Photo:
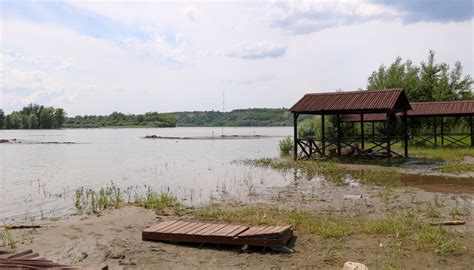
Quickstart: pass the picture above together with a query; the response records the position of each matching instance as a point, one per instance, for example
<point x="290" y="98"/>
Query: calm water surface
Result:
<point x="40" y="179"/>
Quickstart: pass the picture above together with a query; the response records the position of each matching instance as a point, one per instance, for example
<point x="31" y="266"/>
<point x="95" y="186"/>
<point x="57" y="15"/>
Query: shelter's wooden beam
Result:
<point x="338" y="133"/>
<point x="373" y="131"/>
<point x="405" y="133"/>
<point x="442" y="131"/>
<point x="470" y="124"/>
<point x="295" y="136"/>
<point x="362" y="139"/>
<point x="389" y="151"/>
<point x="435" y="132"/>
<point x="323" y="136"/>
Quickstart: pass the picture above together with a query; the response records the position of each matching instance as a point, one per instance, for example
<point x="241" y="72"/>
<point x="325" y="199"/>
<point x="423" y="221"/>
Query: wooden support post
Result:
<point x="373" y="131"/>
<point x="405" y="133"/>
<point x="362" y="139"/>
<point x="442" y="131"/>
<point x="470" y="124"/>
<point x="389" y="154"/>
<point x="295" y="136"/>
<point x="338" y="133"/>
<point x="323" y="135"/>
<point x="435" y="132"/>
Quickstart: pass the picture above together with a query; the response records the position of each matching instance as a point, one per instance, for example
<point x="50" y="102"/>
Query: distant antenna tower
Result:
<point x="223" y="109"/>
<point x="223" y="101"/>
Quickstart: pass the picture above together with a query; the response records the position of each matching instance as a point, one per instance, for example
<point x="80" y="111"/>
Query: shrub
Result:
<point x="286" y="146"/>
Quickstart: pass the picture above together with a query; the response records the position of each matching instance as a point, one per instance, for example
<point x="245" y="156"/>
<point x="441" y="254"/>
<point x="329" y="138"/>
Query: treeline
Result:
<point x="33" y="116"/>
<point x="430" y="81"/>
<point x="241" y="117"/>
<point x="117" y="119"/>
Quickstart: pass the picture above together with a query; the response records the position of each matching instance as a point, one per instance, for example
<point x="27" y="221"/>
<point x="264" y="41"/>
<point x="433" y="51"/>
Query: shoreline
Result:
<point x="220" y="137"/>
<point x="329" y="222"/>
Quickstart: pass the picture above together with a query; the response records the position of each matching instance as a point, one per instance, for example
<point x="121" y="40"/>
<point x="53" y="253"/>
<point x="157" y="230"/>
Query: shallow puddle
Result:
<point x="436" y="183"/>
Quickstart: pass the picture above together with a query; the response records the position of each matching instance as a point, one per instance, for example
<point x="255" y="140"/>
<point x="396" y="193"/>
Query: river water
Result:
<point x="40" y="179"/>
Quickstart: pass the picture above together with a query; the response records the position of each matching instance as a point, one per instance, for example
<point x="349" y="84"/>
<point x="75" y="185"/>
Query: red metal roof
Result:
<point x="442" y="108"/>
<point x="371" y="117"/>
<point x="352" y="102"/>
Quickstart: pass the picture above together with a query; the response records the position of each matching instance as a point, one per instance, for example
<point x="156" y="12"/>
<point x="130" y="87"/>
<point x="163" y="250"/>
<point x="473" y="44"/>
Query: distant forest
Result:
<point x="241" y="117"/>
<point x="247" y="117"/>
<point x="39" y="117"/>
<point x="33" y="116"/>
<point x="117" y="119"/>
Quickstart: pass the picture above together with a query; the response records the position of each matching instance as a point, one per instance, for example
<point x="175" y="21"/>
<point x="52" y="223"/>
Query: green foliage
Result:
<point x="286" y="146"/>
<point x="34" y="116"/>
<point x="117" y="119"/>
<point x="430" y="81"/>
<point x="2" y="119"/>
<point x="308" y="128"/>
<point x="243" y="117"/>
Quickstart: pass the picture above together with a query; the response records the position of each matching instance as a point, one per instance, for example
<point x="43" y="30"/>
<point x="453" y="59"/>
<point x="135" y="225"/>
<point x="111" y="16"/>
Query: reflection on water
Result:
<point x="38" y="179"/>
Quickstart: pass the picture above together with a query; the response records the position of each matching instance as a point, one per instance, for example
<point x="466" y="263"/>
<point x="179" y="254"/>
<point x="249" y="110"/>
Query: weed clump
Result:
<point x="7" y="238"/>
<point x="89" y="201"/>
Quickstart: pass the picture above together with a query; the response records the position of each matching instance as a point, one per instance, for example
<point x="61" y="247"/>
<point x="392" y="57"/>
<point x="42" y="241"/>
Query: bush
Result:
<point x="286" y="146"/>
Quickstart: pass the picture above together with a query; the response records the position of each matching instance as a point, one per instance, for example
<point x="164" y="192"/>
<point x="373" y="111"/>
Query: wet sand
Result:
<point x="114" y="238"/>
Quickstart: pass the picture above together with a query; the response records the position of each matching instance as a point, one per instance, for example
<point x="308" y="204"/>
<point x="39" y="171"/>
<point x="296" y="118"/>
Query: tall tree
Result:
<point x="2" y="119"/>
<point x="430" y="81"/>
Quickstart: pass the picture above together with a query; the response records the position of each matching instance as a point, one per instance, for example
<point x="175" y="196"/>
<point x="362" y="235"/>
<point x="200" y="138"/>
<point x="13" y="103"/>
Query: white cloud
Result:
<point x="308" y="16"/>
<point x="92" y="74"/>
<point x="257" y="50"/>
<point x="191" y="13"/>
<point x="157" y="48"/>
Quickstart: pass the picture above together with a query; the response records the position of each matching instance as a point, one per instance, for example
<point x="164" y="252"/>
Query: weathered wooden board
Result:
<point x="27" y="260"/>
<point x="198" y="232"/>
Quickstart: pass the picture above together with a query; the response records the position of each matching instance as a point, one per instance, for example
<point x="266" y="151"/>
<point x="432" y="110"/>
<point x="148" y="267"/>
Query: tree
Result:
<point x="15" y="120"/>
<point x="46" y="118"/>
<point x="59" y="117"/>
<point x="2" y="119"/>
<point x="428" y="82"/>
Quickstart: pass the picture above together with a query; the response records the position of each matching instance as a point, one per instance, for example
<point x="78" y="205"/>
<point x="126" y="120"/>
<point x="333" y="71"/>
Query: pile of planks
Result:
<point x="27" y="260"/>
<point x="198" y="232"/>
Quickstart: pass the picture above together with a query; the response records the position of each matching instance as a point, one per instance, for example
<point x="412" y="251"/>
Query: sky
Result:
<point x="96" y="57"/>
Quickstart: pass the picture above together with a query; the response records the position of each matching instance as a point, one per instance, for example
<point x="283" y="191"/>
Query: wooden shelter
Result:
<point x="439" y="111"/>
<point x="436" y="111"/>
<point x="362" y="103"/>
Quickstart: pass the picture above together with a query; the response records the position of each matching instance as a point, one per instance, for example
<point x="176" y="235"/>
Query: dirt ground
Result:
<point x="114" y="238"/>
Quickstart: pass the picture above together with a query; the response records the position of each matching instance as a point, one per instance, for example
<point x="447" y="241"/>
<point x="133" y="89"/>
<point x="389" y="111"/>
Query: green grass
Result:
<point x="158" y="201"/>
<point x="91" y="201"/>
<point x="456" y="168"/>
<point x="7" y="238"/>
<point x="94" y="202"/>
<point x="332" y="170"/>
<point x="445" y="154"/>
<point x="407" y="229"/>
